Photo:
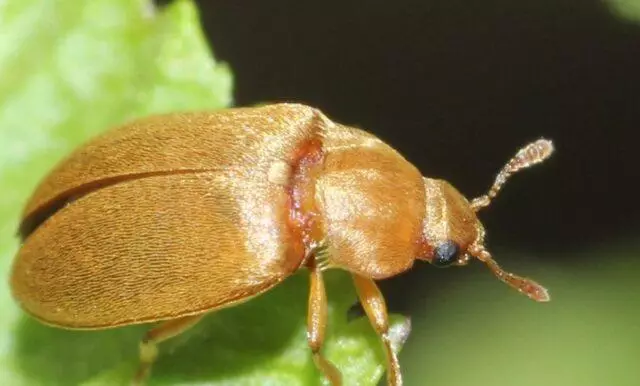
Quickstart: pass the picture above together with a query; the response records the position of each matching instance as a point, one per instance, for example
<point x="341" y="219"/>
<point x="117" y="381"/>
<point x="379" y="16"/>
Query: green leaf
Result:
<point x="627" y="9"/>
<point x="73" y="69"/>
<point x="586" y="336"/>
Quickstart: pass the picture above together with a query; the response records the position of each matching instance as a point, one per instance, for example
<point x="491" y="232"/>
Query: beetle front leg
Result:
<point x="149" y="344"/>
<point x="374" y="305"/>
<point x="317" y="323"/>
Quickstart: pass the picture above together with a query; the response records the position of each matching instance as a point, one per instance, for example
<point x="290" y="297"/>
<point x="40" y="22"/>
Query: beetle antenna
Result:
<point x="530" y="155"/>
<point x="524" y="285"/>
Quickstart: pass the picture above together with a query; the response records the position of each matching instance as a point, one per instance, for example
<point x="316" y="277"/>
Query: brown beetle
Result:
<point x="174" y="216"/>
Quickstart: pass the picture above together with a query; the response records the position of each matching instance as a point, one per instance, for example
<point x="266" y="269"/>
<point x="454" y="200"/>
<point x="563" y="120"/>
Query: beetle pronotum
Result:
<point x="171" y="217"/>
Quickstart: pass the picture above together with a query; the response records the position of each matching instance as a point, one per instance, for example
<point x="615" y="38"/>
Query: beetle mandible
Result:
<point x="237" y="201"/>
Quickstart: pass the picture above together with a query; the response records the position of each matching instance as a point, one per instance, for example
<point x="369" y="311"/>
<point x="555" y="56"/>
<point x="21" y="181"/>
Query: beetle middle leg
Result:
<point x="317" y="323"/>
<point x="376" y="309"/>
<point x="158" y="334"/>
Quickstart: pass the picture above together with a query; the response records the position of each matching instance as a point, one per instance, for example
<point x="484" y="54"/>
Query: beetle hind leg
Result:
<point x="158" y="334"/>
<point x="317" y="323"/>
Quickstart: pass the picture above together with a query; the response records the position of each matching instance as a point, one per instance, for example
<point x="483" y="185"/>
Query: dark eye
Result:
<point x="445" y="254"/>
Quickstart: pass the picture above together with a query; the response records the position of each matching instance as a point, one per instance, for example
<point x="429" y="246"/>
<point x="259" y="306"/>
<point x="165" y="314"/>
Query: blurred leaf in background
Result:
<point x="628" y="9"/>
<point x="69" y="71"/>
<point x="476" y="331"/>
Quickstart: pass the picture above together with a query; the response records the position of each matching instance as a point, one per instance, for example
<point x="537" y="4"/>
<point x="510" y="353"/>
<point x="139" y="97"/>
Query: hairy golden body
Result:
<point x="192" y="223"/>
<point x="173" y="216"/>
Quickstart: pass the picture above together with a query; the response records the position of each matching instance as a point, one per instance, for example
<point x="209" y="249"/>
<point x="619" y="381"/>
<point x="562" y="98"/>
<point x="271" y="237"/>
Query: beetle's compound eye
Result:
<point x="445" y="254"/>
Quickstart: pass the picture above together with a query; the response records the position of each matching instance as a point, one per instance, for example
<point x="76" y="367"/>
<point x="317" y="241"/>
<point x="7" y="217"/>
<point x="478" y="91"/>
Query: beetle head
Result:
<point x="452" y="233"/>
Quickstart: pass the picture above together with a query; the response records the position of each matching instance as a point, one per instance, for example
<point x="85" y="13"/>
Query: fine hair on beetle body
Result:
<point x="238" y="200"/>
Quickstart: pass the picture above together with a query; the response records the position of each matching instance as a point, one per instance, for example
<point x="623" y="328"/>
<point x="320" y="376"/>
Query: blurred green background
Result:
<point x="455" y="86"/>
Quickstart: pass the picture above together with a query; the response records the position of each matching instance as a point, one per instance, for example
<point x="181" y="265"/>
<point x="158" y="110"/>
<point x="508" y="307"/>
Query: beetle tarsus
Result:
<point x="158" y="334"/>
<point x="148" y="355"/>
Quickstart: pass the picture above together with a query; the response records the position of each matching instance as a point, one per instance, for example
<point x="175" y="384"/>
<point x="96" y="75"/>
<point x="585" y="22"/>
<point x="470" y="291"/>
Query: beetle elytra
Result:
<point x="170" y="217"/>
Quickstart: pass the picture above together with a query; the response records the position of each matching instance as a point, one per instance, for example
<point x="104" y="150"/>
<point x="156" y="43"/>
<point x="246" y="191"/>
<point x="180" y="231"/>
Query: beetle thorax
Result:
<point x="371" y="204"/>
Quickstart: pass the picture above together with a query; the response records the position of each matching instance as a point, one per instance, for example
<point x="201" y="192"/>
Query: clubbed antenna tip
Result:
<point x="524" y="285"/>
<point x="532" y="154"/>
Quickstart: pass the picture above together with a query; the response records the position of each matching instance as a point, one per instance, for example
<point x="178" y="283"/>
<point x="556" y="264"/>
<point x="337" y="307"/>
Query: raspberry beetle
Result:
<point x="170" y="217"/>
